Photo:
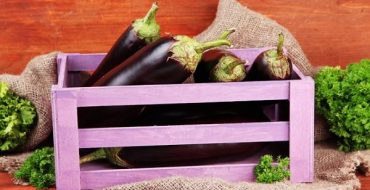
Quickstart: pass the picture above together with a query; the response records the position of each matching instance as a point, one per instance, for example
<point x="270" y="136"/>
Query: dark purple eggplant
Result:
<point x="154" y="156"/>
<point x="271" y="64"/>
<point x="169" y="60"/>
<point x="140" y="33"/>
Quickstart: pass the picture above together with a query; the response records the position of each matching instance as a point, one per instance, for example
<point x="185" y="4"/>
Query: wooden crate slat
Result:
<point x="105" y="178"/>
<point x="184" y="134"/>
<point x="301" y="131"/>
<point x="185" y="93"/>
<point x="66" y="150"/>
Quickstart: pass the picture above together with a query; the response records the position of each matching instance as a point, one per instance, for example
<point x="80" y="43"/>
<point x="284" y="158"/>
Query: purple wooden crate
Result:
<point x="68" y="138"/>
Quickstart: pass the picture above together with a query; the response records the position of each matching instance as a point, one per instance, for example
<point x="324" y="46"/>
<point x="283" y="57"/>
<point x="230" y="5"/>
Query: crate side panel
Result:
<point x="184" y="134"/>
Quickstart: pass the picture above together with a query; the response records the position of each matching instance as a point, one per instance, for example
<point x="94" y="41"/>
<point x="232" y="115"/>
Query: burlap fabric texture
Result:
<point x="34" y="84"/>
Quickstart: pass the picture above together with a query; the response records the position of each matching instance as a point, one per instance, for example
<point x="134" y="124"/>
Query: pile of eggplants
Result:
<point x="141" y="57"/>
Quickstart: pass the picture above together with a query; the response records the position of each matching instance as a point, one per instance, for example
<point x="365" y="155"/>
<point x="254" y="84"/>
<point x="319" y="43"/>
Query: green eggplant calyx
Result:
<point x="96" y="155"/>
<point x="226" y="34"/>
<point x="279" y="66"/>
<point x="189" y="52"/>
<point x="113" y="156"/>
<point x="147" y="28"/>
<point x="229" y="69"/>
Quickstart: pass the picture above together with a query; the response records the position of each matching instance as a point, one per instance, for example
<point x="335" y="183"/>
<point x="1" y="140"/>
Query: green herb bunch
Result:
<point x="343" y="98"/>
<point x="266" y="172"/>
<point x="39" y="169"/>
<point x="16" y="118"/>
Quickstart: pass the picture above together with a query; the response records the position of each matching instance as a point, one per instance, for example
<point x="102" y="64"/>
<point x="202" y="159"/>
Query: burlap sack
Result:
<point x="333" y="170"/>
<point x="34" y="84"/>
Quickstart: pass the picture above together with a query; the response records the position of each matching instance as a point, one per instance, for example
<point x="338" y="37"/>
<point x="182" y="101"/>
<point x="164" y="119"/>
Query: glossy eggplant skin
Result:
<point x="125" y="46"/>
<point x="173" y="155"/>
<point x="150" y="65"/>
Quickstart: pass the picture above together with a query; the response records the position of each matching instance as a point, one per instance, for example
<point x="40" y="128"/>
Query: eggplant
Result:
<point x="171" y="155"/>
<point x="169" y="60"/>
<point x="218" y="65"/>
<point x="140" y="33"/>
<point x="271" y="64"/>
<point x="205" y="113"/>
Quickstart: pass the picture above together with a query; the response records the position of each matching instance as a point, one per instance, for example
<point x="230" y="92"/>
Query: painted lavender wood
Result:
<point x="68" y="138"/>
<point x="66" y="142"/>
<point x="62" y="70"/>
<point x="229" y="172"/>
<point x="184" y="93"/>
<point x="184" y="134"/>
<point x="301" y="130"/>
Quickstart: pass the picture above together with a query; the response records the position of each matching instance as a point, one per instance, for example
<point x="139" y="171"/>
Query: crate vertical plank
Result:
<point x="62" y="70"/>
<point x="301" y="130"/>
<point x="66" y="141"/>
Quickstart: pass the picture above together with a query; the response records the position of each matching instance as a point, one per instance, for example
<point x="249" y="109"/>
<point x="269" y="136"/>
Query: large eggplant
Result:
<point x="169" y="60"/>
<point x="140" y="33"/>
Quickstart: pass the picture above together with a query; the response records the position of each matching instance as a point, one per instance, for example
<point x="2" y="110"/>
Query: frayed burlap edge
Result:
<point x="12" y="163"/>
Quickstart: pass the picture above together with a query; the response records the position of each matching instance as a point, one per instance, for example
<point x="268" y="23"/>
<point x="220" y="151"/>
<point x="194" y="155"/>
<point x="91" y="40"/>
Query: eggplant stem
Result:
<point x="226" y="34"/>
<point x="208" y="45"/>
<point x="96" y="155"/>
<point x="280" y="45"/>
<point x="150" y="15"/>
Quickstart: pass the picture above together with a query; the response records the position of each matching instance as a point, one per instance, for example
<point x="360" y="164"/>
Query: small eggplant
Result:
<point x="154" y="156"/>
<point x="219" y="65"/>
<point x="271" y="64"/>
<point x="140" y="33"/>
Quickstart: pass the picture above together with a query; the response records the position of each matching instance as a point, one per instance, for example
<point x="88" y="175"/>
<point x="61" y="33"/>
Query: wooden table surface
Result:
<point x="331" y="32"/>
